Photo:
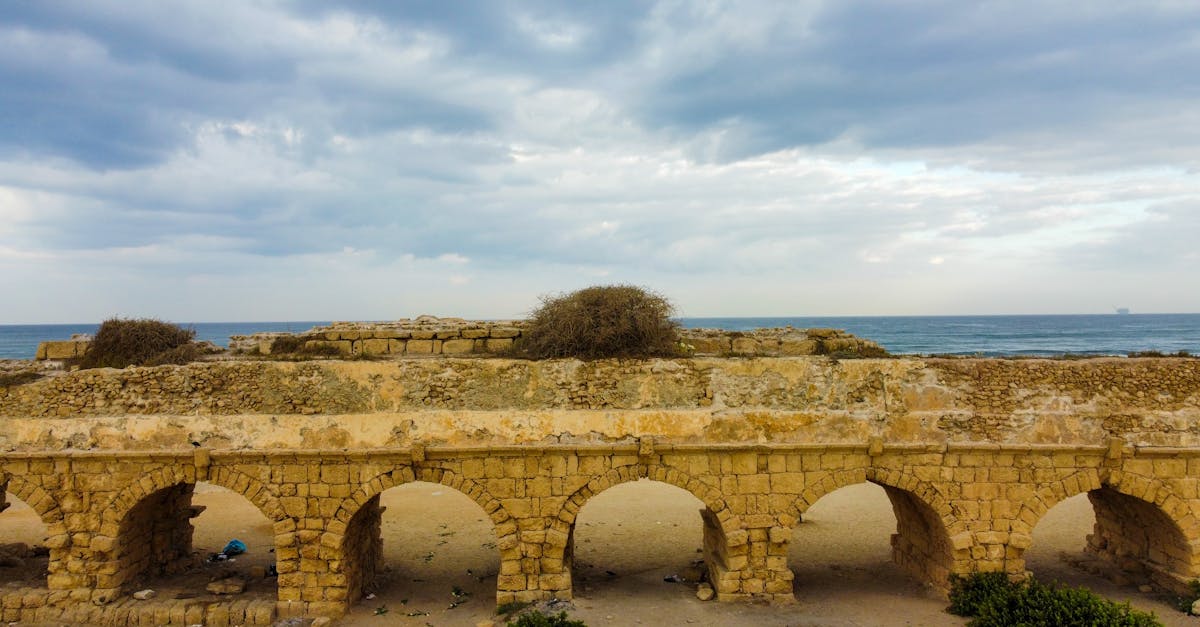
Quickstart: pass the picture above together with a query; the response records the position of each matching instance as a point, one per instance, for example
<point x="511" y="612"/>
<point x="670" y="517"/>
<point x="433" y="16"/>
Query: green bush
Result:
<point x="538" y="619"/>
<point x="136" y="342"/>
<point x="1185" y="603"/>
<point x="994" y="601"/>
<point x="969" y="594"/>
<point x="601" y="322"/>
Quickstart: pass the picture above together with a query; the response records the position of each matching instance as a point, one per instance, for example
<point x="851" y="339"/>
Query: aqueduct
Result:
<point x="971" y="453"/>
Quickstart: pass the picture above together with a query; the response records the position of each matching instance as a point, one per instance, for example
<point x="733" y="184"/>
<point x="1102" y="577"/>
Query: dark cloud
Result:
<point x="933" y="74"/>
<point x="896" y="145"/>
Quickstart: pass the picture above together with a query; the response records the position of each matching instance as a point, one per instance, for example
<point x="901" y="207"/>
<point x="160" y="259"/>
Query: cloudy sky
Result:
<point x="268" y="160"/>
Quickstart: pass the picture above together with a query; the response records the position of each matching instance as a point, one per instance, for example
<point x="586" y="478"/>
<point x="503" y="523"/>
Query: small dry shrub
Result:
<point x="297" y="348"/>
<point x="287" y="344"/>
<point x="21" y="377"/>
<point x="600" y="322"/>
<point x="121" y="342"/>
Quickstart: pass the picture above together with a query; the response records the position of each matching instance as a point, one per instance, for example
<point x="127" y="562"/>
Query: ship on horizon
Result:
<point x="1122" y="311"/>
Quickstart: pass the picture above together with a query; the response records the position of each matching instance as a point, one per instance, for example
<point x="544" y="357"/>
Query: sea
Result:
<point x="991" y="336"/>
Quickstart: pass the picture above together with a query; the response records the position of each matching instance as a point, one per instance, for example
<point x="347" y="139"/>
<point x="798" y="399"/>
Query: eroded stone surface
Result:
<point x="971" y="454"/>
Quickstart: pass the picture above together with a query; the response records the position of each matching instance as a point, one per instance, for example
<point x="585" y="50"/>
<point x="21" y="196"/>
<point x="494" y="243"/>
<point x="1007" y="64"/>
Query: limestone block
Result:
<point x="709" y="345"/>
<point x="504" y="332"/>
<point x="61" y="349"/>
<point x="375" y="347"/>
<point x="496" y="345"/>
<point x="798" y="347"/>
<point x="458" y="346"/>
<point x="745" y="345"/>
<point x="419" y="346"/>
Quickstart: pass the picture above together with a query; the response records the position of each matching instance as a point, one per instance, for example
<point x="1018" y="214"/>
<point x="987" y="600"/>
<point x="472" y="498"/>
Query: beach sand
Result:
<point x="442" y="560"/>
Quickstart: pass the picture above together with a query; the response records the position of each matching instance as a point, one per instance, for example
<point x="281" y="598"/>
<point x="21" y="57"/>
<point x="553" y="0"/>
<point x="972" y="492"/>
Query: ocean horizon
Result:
<point x="992" y="335"/>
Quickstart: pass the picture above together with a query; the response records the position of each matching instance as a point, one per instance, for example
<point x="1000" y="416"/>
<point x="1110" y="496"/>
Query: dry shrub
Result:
<point x="136" y="342"/>
<point x="21" y="377"/>
<point x="600" y="322"/>
<point x="298" y="348"/>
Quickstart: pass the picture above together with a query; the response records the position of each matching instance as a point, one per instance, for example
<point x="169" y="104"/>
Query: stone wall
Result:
<point x="1148" y="402"/>
<point x="427" y="336"/>
<point x="972" y="453"/>
<point x="960" y="508"/>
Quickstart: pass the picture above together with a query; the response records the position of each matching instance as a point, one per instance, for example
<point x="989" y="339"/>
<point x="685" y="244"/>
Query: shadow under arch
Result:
<point x="360" y="515"/>
<point x="1143" y="531"/>
<point x="146" y="527"/>
<point x="925" y="521"/>
<point x="723" y="536"/>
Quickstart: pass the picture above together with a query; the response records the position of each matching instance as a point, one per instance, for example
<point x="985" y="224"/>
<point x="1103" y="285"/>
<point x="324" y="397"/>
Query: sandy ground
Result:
<point x="442" y="560"/>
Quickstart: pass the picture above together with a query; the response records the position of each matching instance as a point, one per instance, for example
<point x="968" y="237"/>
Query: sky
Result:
<point x="316" y="160"/>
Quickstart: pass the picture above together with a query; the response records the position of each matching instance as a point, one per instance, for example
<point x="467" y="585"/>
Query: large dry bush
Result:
<point x="139" y="342"/>
<point x="602" y="321"/>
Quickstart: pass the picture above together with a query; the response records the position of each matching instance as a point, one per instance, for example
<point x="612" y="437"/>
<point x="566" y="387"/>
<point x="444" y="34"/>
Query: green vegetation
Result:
<point x="601" y="322"/>
<point x="538" y="619"/>
<point x="995" y="601"/>
<point x="1185" y="603"/>
<point x="139" y="342"/>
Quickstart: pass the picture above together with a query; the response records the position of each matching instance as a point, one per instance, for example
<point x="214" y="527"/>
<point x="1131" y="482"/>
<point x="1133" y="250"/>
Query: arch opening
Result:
<point x="174" y="541"/>
<point x="641" y="535"/>
<point x="866" y="538"/>
<point x="24" y="558"/>
<point x="1113" y="543"/>
<point x="421" y="549"/>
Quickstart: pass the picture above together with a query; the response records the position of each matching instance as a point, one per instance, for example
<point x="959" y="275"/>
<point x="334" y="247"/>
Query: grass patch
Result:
<point x="994" y="601"/>
<point x="121" y="342"/>
<point x="601" y="322"/>
<point x="1186" y="602"/>
<point x="512" y="607"/>
<point x="537" y="619"/>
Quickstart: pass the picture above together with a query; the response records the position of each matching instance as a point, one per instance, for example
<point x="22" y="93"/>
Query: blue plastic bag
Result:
<point x="235" y="547"/>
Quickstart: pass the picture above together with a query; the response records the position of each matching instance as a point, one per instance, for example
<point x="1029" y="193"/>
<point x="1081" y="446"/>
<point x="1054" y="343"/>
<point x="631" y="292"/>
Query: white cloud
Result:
<point x="818" y="158"/>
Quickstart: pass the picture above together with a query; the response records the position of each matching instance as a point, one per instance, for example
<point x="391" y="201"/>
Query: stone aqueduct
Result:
<point x="971" y="453"/>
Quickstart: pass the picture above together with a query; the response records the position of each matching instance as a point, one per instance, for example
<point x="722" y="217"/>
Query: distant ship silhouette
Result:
<point x="1122" y="311"/>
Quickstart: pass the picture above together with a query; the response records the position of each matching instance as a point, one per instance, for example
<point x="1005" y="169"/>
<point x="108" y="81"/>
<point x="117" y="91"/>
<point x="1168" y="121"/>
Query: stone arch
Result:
<point x="1050" y="494"/>
<point x="354" y="527"/>
<point x="707" y="494"/>
<point x="44" y="504"/>
<point x="166" y="476"/>
<point x="1143" y="528"/>
<point x="39" y="500"/>
<point x="146" y="527"/>
<point x="724" y="537"/>
<point x="430" y="474"/>
<point x="926" y="522"/>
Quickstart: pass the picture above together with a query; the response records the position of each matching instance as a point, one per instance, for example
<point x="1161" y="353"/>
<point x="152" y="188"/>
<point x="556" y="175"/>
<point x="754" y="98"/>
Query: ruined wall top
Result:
<point x="494" y="401"/>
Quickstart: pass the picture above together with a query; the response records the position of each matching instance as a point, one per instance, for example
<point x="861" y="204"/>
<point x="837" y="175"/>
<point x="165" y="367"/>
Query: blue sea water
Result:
<point x="959" y="335"/>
